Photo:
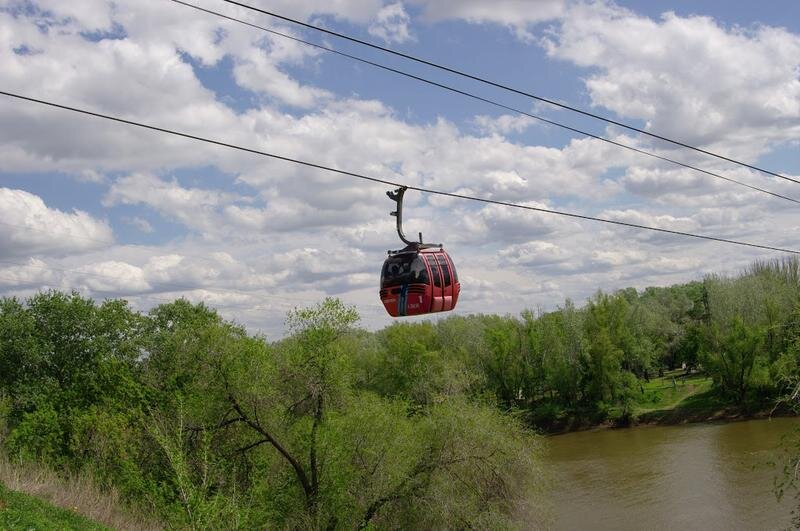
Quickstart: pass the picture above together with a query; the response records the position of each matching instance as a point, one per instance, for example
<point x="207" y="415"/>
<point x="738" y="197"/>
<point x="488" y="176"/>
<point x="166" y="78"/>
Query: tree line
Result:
<point x="419" y="425"/>
<point x="193" y="419"/>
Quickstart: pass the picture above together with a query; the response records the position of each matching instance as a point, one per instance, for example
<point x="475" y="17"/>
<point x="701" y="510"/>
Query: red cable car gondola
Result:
<point x="421" y="278"/>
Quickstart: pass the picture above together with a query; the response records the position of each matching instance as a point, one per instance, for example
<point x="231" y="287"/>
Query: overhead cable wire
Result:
<point x="487" y="100"/>
<point x="508" y="88"/>
<point x="393" y="183"/>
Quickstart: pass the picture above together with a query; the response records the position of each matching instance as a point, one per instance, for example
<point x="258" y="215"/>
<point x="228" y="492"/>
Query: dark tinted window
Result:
<point x="453" y="267"/>
<point x="445" y="271"/>
<point x="437" y="279"/>
<point x="403" y="269"/>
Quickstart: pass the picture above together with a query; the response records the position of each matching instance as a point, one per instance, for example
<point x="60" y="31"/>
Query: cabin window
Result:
<point x="445" y="270"/>
<point x="403" y="269"/>
<point x="453" y="267"/>
<point x="437" y="279"/>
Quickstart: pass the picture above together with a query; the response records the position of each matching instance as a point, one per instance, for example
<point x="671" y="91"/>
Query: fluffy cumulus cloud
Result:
<point x="503" y="125"/>
<point x="110" y="277"/>
<point x="30" y="274"/>
<point x="256" y="72"/>
<point x="517" y="15"/>
<point x="731" y="89"/>
<point x="196" y="208"/>
<point x="29" y="227"/>
<point x="391" y="24"/>
<point x="255" y="236"/>
<point x="534" y="253"/>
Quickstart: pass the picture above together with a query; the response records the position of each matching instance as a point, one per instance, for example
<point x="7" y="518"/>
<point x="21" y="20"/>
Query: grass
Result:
<point x="674" y="398"/>
<point x="677" y="398"/>
<point x="24" y="512"/>
<point x="690" y="399"/>
<point x="699" y="407"/>
<point x="35" y="497"/>
<point x="671" y="390"/>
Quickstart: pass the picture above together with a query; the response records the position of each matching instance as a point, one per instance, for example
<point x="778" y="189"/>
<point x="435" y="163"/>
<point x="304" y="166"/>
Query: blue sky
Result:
<point x="111" y="211"/>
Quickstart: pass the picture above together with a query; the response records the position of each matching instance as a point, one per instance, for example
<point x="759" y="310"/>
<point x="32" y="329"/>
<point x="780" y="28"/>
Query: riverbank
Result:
<point x="674" y="398"/>
<point x="708" y="407"/>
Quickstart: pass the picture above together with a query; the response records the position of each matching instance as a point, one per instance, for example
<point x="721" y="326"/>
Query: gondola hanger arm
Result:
<point x="397" y="197"/>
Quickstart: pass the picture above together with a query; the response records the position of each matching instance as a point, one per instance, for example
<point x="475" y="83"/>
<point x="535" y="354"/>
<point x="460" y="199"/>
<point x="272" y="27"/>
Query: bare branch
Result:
<point x="248" y="447"/>
<point x="298" y="469"/>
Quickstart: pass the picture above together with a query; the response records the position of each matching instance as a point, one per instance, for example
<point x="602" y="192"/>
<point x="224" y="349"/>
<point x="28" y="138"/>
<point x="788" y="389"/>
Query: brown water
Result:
<point x="698" y="476"/>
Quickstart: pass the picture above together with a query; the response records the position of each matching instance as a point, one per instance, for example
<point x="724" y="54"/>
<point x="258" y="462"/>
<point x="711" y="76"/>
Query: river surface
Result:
<point x="695" y="476"/>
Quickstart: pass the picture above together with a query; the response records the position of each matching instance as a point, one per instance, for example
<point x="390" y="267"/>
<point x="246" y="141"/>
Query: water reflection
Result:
<point x="700" y="476"/>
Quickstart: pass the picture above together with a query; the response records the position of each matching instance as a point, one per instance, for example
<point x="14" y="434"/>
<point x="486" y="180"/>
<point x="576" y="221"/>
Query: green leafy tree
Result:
<point x="504" y="359"/>
<point x="604" y="323"/>
<point x="65" y="356"/>
<point x="409" y="363"/>
<point x="733" y="358"/>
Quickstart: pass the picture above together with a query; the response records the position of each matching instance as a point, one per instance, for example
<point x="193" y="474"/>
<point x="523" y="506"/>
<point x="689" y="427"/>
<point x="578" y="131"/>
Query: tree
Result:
<point x="504" y="359"/>
<point x="64" y="358"/>
<point x="604" y="329"/>
<point x="732" y="358"/>
<point x="331" y="427"/>
<point x="408" y="363"/>
<point x="244" y="396"/>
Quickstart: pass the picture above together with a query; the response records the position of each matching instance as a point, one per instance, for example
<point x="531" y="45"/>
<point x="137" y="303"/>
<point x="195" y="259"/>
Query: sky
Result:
<point x="112" y="211"/>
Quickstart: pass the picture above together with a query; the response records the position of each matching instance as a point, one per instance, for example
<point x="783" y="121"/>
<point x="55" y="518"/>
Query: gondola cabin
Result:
<point x="419" y="280"/>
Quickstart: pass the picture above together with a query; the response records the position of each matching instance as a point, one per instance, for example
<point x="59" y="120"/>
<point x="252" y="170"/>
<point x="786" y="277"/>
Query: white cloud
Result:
<point x="663" y="221"/>
<point x="179" y="272"/>
<point x="196" y="208"/>
<point x="391" y="24"/>
<point x="258" y="73"/>
<point x="32" y="273"/>
<point x="90" y="176"/>
<point x="618" y="258"/>
<point x="495" y="223"/>
<point x="140" y="223"/>
<point x="517" y="15"/>
<point x="733" y="90"/>
<point x="504" y="124"/>
<point x="29" y="227"/>
<point x="658" y="182"/>
<point x="110" y="277"/>
<point x="360" y="11"/>
<point x="534" y="253"/>
<point x="90" y="14"/>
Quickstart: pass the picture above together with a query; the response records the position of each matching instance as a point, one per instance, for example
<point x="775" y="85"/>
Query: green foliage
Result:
<point x="194" y="477"/>
<point x="731" y="363"/>
<point x="38" y="436"/>
<point x="409" y="363"/>
<point x="107" y="443"/>
<point x="415" y="426"/>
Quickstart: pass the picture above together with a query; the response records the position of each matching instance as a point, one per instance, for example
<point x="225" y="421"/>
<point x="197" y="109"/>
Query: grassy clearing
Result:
<point x="689" y="399"/>
<point x="700" y="407"/>
<point x="24" y="512"/>
<point x="671" y="390"/>
<point x="35" y="497"/>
